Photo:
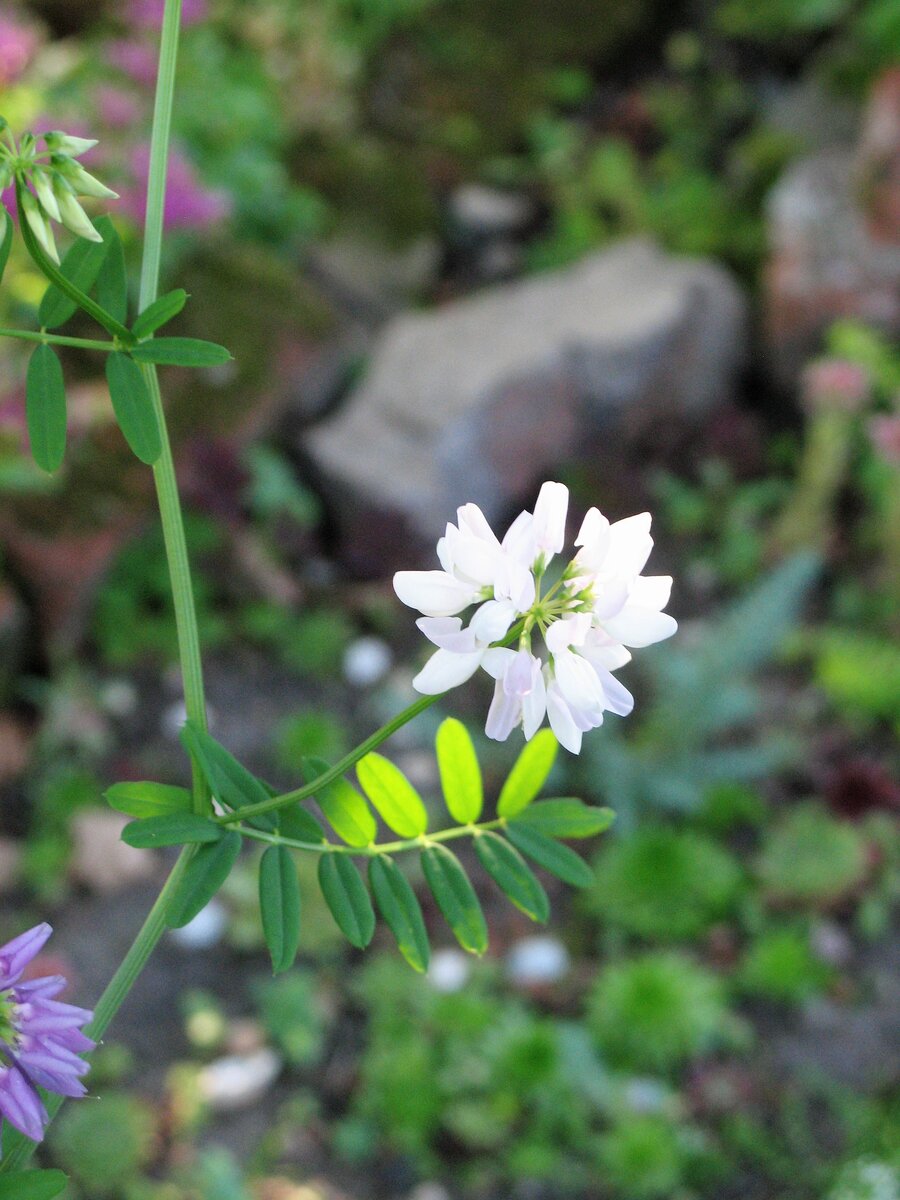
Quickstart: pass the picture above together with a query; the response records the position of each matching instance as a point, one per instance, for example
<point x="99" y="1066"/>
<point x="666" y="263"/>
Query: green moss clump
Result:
<point x="780" y="964"/>
<point x="654" y="1012"/>
<point x="664" y="885"/>
<point x="104" y="1143"/>
<point x="810" y="859"/>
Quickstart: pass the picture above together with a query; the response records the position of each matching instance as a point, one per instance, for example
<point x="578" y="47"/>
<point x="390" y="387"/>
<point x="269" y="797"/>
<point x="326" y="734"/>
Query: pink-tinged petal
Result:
<point x="534" y="705"/>
<point x="550" y="517"/>
<point x="47" y="985"/>
<point x="503" y="715"/>
<point x="618" y="698"/>
<point x="446" y="670"/>
<point x="569" y="631"/>
<point x="497" y="660"/>
<point x="638" y="627"/>
<point x="578" y="682"/>
<point x="434" y="593"/>
<point x="491" y="621"/>
<point x="603" y="652"/>
<point x="473" y="560"/>
<point x="651" y="591"/>
<point x="561" y="722"/>
<point x="472" y="520"/>
<point x="610" y="598"/>
<point x="514" y="582"/>
<point x="519" y="677"/>
<point x="630" y="544"/>
<point x="448" y="633"/>
<point x="17" y="954"/>
<point x="518" y="541"/>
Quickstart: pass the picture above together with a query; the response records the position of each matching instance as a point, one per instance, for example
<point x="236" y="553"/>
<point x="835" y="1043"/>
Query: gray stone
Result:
<point x="479" y="211"/>
<point x="482" y="398"/>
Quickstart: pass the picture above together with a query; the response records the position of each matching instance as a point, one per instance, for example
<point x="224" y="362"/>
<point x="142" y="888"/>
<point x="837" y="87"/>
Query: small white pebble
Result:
<point x="206" y="929"/>
<point x="537" y="960"/>
<point x="449" y="970"/>
<point x="367" y="661"/>
<point x="119" y="697"/>
<point x="239" y="1079"/>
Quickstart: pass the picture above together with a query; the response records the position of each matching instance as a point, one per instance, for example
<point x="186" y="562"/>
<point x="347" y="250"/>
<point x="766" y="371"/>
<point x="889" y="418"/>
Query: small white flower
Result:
<point x="600" y="605"/>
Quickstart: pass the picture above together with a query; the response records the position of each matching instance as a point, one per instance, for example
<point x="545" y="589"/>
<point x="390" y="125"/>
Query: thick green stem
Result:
<point x="56" y="339"/>
<point x="335" y="772"/>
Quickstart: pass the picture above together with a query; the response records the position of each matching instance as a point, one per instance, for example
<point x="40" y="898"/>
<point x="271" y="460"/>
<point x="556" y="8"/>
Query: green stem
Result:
<point x="375" y="848"/>
<point x="340" y="768"/>
<point x="56" y="339"/>
<point x="56" y="277"/>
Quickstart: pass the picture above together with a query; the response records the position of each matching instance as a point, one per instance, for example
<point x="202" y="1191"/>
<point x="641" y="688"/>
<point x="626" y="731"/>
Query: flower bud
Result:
<point x="44" y="190"/>
<point x="72" y="214"/>
<point x="39" y="224"/>
<point x="86" y="185"/>
<point x="65" y="143"/>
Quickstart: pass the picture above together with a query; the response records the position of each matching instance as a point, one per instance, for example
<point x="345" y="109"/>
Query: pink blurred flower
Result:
<point x="18" y="43"/>
<point x="189" y="203"/>
<point x="135" y="59"/>
<point x="884" y="430"/>
<point x="835" y="383"/>
<point x="148" y="14"/>
<point x="117" y="108"/>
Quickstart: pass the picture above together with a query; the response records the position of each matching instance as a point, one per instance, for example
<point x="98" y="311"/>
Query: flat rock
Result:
<point x="482" y="398"/>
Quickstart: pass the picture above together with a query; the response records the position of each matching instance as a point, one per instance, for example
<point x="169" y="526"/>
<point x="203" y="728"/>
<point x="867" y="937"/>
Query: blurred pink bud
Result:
<point x="148" y="14"/>
<point x="18" y="43"/>
<point x="134" y="59"/>
<point x="884" y="430"/>
<point x="189" y="203"/>
<point x="117" y="108"/>
<point x="834" y="384"/>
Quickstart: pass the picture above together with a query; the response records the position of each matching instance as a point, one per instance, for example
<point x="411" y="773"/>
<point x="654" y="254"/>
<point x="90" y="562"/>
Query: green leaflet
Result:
<point x="566" y="818"/>
<point x="81" y="265"/>
<point x="147" y="799"/>
<point x="45" y="409"/>
<point x="295" y="822"/>
<point x="203" y="876"/>
<point x="279" y="906"/>
<point x="529" y="774"/>
<point x="398" y="905"/>
<point x="229" y="781"/>
<point x="112" y="282"/>
<point x="512" y="875"/>
<point x="32" y="1185"/>
<point x="5" y="240"/>
<point x="345" y="809"/>
<point x="559" y="860"/>
<point x="456" y="898"/>
<point x="181" y="352"/>
<point x="393" y="796"/>
<point x="460" y="772"/>
<point x="347" y="898"/>
<point x="159" y="313"/>
<point x="170" y="829"/>
<point x="133" y="407"/>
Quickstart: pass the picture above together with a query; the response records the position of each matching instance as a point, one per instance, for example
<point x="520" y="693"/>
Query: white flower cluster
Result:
<point x="599" y="605"/>
<point x="57" y="180"/>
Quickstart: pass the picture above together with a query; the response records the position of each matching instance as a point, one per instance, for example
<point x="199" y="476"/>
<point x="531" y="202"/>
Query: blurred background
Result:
<point x="649" y="249"/>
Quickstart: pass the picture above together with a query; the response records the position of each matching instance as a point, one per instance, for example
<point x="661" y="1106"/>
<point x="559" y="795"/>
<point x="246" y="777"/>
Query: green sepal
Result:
<point x="460" y="773"/>
<point x="147" y="799"/>
<point x="159" y="313"/>
<point x="456" y="898"/>
<point x="80" y="265"/>
<point x="6" y="239"/>
<point x="392" y="795"/>
<point x="398" y="905"/>
<point x="279" y="906"/>
<point x="347" y="898"/>
<point x="171" y="829"/>
<point x="229" y="781"/>
<point x="512" y="875"/>
<point x="566" y="818"/>
<point x="181" y="352"/>
<point x="559" y="860"/>
<point x="345" y="809"/>
<point x="32" y="1185"/>
<point x="133" y="407"/>
<point x="529" y="774"/>
<point x="45" y="409"/>
<point x="203" y="876"/>
<point x="112" y="281"/>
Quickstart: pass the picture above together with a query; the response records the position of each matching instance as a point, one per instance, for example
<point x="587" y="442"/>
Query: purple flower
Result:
<point x="148" y="14"/>
<point x="18" y="44"/>
<point x="189" y="203"/>
<point x="40" y="1037"/>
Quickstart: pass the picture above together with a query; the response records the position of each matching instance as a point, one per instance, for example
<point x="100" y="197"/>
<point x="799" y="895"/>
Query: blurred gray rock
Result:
<point x="483" y="398"/>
